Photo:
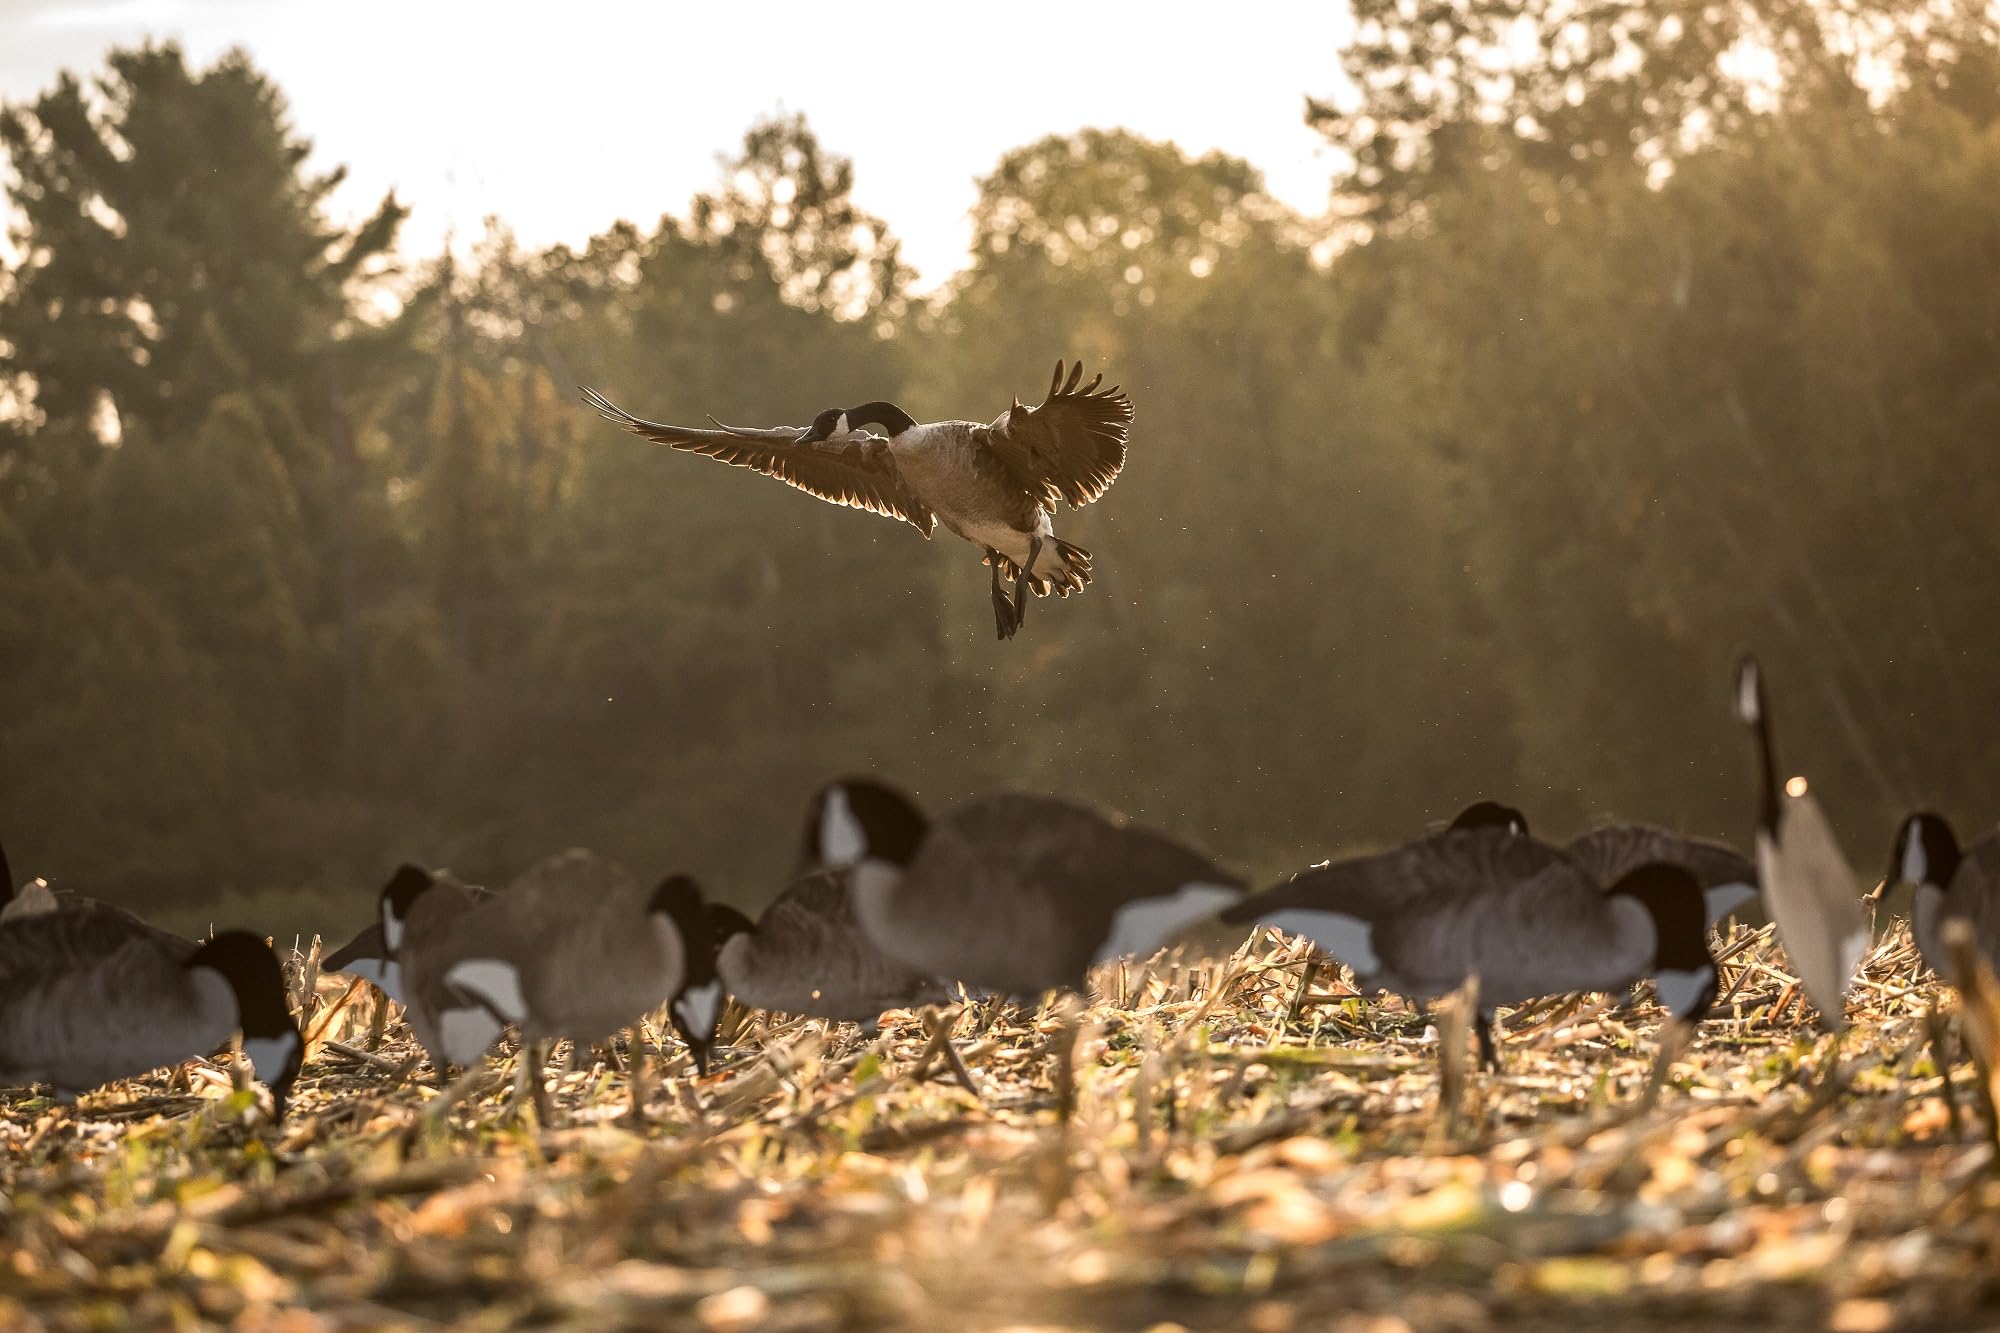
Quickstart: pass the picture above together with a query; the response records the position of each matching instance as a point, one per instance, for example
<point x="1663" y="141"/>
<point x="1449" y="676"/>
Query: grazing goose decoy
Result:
<point x="88" y="997"/>
<point x="578" y="948"/>
<point x="1728" y="879"/>
<point x="419" y="917"/>
<point x="1011" y="893"/>
<point x="996" y="485"/>
<point x="696" y="1010"/>
<point x="1951" y="881"/>
<point x="808" y="954"/>
<point x="368" y="954"/>
<point x="1806" y="880"/>
<point x="1520" y="915"/>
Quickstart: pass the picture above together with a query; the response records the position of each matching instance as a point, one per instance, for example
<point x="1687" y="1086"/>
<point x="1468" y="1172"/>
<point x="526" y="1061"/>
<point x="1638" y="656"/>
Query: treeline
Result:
<point x="1602" y="367"/>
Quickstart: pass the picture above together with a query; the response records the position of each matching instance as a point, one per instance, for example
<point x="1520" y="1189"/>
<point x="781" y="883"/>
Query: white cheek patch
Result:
<point x="392" y="928"/>
<point x="270" y="1057"/>
<point x="1346" y="938"/>
<point x="1142" y="927"/>
<point x="1916" y="866"/>
<point x="494" y="982"/>
<point x="1682" y="990"/>
<point x="382" y="973"/>
<point x="1721" y="900"/>
<point x="466" y="1033"/>
<point x="841" y="427"/>
<point x="1746" y="694"/>
<point x="842" y="840"/>
<point x="699" y="1008"/>
<point x="870" y="885"/>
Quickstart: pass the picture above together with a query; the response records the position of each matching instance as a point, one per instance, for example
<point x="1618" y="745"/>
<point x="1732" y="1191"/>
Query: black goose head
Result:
<point x="1683" y="970"/>
<point x="399" y="895"/>
<point x="1491" y="815"/>
<point x="836" y="422"/>
<point x="1925" y="852"/>
<point x="697" y="1006"/>
<point x="271" y="1039"/>
<point x="859" y="819"/>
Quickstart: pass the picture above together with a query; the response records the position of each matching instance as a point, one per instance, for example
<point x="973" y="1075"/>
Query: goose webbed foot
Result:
<point x="1489" y="1053"/>
<point x="1004" y="617"/>
<point x="1023" y="578"/>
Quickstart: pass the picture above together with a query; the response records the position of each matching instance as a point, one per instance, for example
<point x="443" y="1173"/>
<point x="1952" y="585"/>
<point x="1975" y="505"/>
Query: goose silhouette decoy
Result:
<point x="1012" y="893"/>
<point x="88" y="997"/>
<point x="576" y="947"/>
<point x="1950" y="882"/>
<point x="1485" y="900"/>
<point x="996" y="485"/>
<point x="807" y="954"/>
<point x="1728" y="878"/>
<point x="1806" y="880"/>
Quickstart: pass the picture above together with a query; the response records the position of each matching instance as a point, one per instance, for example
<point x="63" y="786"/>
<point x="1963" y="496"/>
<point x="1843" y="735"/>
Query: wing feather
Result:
<point x="1072" y="445"/>
<point x="858" y="473"/>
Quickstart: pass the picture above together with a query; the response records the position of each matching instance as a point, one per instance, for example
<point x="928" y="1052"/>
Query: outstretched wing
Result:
<point x="856" y="472"/>
<point x="1070" y="447"/>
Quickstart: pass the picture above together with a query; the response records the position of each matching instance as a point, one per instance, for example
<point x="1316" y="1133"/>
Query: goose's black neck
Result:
<point x="888" y="416"/>
<point x="1767" y="803"/>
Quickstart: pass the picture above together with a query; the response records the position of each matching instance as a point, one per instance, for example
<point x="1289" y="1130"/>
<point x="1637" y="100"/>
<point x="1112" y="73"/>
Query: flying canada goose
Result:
<point x="1519" y="914"/>
<point x="88" y="997"/>
<point x="576" y="947"/>
<point x="808" y="954"/>
<point x="996" y="485"/>
<point x="1728" y="879"/>
<point x="1806" y="880"/>
<point x="1950" y="882"/>
<point x="1011" y="893"/>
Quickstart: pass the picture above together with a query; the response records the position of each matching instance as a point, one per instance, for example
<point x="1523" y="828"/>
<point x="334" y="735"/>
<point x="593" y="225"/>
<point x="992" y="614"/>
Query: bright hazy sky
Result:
<point x="563" y="116"/>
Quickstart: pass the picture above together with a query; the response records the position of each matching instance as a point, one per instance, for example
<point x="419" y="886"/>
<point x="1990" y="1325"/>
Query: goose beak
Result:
<point x="806" y="436"/>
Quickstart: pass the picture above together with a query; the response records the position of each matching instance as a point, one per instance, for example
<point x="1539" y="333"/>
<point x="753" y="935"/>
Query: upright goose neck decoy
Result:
<point x="871" y="831"/>
<point x="996" y="484"/>
<point x="1805" y="878"/>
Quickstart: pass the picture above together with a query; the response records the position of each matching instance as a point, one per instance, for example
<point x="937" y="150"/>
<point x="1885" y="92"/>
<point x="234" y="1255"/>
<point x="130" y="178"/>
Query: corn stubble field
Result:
<point x="1228" y="1160"/>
